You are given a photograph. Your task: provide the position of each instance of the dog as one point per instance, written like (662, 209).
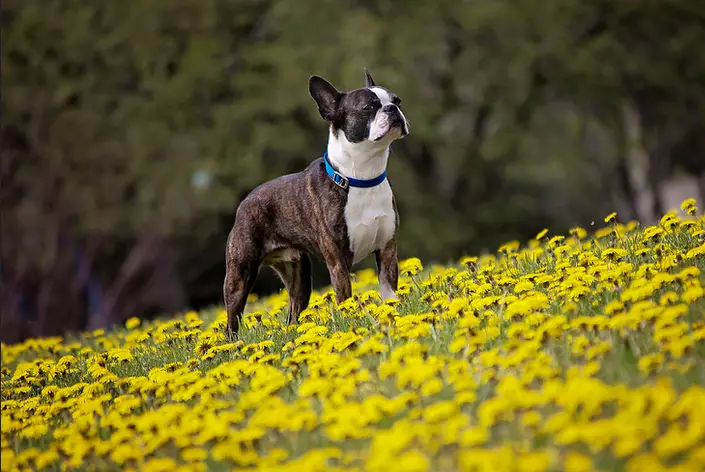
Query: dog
(340, 208)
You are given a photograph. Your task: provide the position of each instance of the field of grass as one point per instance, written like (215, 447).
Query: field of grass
(584, 352)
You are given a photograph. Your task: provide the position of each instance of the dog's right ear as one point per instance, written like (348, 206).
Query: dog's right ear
(325, 95)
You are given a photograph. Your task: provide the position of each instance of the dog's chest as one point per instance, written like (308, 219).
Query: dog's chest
(370, 218)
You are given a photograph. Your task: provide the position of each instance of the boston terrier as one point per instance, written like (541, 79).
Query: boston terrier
(340, 208)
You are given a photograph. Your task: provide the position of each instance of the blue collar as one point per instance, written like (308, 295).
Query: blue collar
(345, 182)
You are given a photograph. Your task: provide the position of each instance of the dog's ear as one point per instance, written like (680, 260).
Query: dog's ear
(325, 95)
(369, 81)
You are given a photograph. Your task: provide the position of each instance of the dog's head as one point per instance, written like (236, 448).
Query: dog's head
(371, 113)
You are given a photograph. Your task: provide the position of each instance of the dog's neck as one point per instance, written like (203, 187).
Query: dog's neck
(365, 160)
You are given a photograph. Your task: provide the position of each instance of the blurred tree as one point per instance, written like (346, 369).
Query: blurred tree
(105, 120)
(131, 130)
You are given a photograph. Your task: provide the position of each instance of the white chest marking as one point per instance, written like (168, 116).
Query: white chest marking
(369, 214)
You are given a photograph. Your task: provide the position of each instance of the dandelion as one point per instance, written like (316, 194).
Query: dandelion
(523, 286)
(469, 261)
(35, 431)
(411, 266)
(614, 254)
(541, 234)
(510, 247)
(689, 206)
(578, 233)
(576, 462)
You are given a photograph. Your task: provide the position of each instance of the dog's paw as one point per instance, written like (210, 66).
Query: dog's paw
(231, 334)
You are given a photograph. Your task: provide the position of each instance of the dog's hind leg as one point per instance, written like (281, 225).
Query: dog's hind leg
(239, 279)
(296, 275)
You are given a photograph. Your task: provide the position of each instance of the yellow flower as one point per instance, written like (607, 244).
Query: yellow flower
(541, 234)
(35, 431)
(692, 294)
(132, 323)
(159, 464)
(431, 387)
(469, 260)
(439, 412)
(531, 418)
(411, 266)
(193, 454)
(509, 247)
(647, 461)
(523, 286)
(611, 217)
(613, 254)
(689, 206)
(125, 452)
(650, 362)
(534, 461)
(578, 233)
(626, 445)
(576, 462)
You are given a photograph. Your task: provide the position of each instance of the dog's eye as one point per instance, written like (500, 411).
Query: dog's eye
(397, 101)
(367, 107)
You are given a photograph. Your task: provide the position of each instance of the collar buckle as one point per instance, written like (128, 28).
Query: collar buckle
(340, 180)
(346, 182)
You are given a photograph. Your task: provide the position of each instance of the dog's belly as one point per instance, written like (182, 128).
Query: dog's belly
(370, 218)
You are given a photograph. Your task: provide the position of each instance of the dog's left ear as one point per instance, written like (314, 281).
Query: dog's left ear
(369, 81)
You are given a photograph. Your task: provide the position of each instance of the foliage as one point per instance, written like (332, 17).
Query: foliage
(568, 353)
(132, 130)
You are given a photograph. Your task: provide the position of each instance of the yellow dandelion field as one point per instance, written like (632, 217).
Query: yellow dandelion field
(578, 352)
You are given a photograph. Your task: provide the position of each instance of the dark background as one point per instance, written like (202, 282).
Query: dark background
(131, 129)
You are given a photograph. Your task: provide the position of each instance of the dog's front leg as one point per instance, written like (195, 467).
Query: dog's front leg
(387, 270)
(339, 272)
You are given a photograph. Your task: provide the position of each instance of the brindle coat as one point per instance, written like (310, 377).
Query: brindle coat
(280, 224)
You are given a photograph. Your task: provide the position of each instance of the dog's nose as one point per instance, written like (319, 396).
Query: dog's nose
(391, 108)
(393, 112)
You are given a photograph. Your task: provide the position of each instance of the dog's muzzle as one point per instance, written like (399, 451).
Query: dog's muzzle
(395, 118)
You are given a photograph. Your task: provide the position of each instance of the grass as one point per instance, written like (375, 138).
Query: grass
(569, 353)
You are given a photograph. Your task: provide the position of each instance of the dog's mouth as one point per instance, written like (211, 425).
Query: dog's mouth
(398, 122)
(396, 125)
(399, 125)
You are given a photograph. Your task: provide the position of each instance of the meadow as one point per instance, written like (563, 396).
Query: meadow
(578, 352)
